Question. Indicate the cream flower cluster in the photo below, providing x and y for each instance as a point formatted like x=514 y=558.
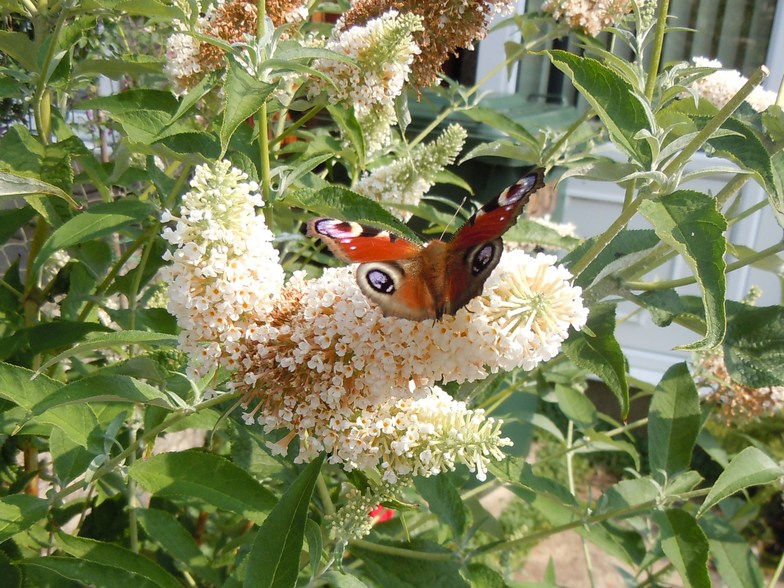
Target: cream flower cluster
x=736 y=401
x=589 y=16
x=182 y=52
x=408 y=178
x=723 y=84
x=384 y=51
x=224 y=269
x=315 y=358
x=326 y=353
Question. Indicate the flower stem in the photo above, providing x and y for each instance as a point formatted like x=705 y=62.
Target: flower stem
x=713 y=125
x=109 y=465
x=550 y=153
x=604 y=239
x=658 y=44
x=731 y=267
x=399 y=552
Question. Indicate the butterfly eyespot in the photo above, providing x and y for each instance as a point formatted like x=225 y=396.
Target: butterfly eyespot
x=482 y=258
x=380 y=281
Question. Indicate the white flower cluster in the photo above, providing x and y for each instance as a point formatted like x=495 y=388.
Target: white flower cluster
x=182 y=59
x=384 y=51
x=342 y=357
x=408 y=178
x=590 y=16
x=224 y=270
x=723 y=84
x=317 y=359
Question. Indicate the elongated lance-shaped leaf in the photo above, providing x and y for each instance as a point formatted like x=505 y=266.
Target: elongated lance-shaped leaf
x=207 y=477
x=274 y=559
x=611 y=97
x=97 y=221
x=244 y=96
x=754 y=346
x=673 y=422
x=19 y=512
x=600 y=352
x=13 y=185
x=686 y=546
x=751 y=467
x=692 y=225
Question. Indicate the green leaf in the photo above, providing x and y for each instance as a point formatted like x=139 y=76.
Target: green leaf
x=444 y=501
x=97 y=221
x=195 y=94
x=601 y=353
x=627 y=242
x=19 y=47
x=690 y=223
x=482 y=576
x=503 y=123
x=134 y=566
x=17 y=385
x=129 y=65
x=627 y=494
x=734 y=560
x=575 y=405
x=95 y=341
x=244 y=96
x=103 y=388
x=410 y=572
x=744 y=148
x=351 y=130
x=342 y=203
x=686 y=546
x=12 y=219
x=13 y=185
x=530 y=231
x=19 y=512
x=131 y=101
x=754 y=346
x=70 y=460
x=184 y=474
x=89 y=573
x=611 y=97
x=673 y=422
x=11 y=574
x=274 y=559
x=751 y=467
x=164 y=529
x=343 y=580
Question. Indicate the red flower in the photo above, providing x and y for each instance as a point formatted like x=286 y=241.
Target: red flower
x=381 y=513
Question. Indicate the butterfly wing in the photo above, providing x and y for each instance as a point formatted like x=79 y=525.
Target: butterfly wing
x=476 y=248
x=499 y=214
x=352 y=242
x=390 y=266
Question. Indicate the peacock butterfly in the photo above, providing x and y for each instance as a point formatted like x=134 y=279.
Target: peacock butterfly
x=418 y=283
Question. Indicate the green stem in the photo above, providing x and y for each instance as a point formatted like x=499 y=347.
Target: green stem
x=137 y=277
x=41 y=98
x=658 y=45
x=586 y=521
x=604 y=239
x=713 y=125
x=774 y=580
x=748 y=212
x=473 y=90
x=109 y=279
x=731 y=267
x=323 y=492
x=297 y=124
x=399 y=552
x=730 y=188
x=547 y=155
x=112 y=463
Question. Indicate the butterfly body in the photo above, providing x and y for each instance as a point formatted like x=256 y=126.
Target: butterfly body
x=418 y=283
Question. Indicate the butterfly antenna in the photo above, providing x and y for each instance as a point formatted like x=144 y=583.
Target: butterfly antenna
x=454 y=216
